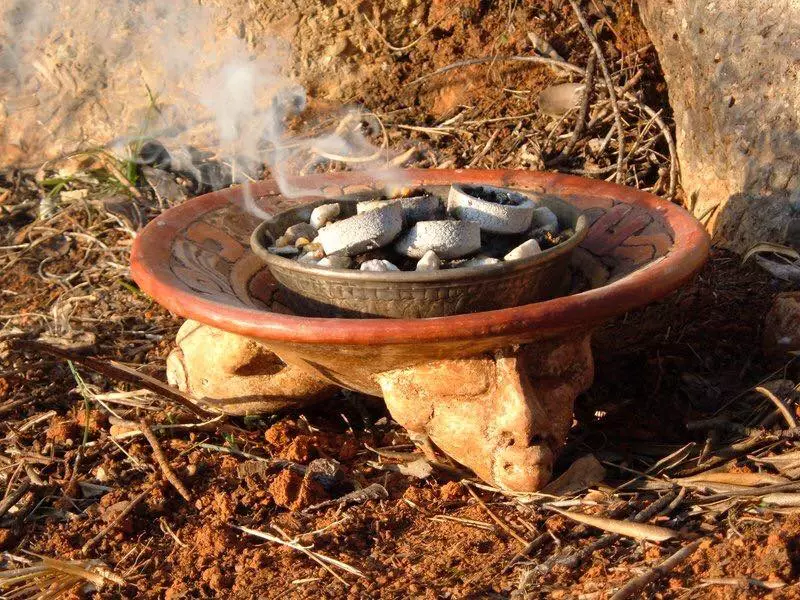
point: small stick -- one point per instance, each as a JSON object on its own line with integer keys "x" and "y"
{"x": 14, "y": 497}
{"x": 637, "y": 584}
{"x": 495, "y": 59}
{"x": 663, "y": 505}
{"x": 580, "y": 123}
{"x": 503, "y": 525}
{"x": 162, "y": 461}
{"x": 612, "y": 95}
{"x": 787, "y": 414}
{"x": 124, "y": 513}
{"x": 121, "y": 373}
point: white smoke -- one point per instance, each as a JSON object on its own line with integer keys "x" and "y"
{"x": 136, "y": 69}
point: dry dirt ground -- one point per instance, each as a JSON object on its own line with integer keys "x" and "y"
{"x": 81, "y": 483}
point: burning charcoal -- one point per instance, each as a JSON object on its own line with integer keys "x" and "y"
{"x": 524, "y": 250}
{"x": 494, "y": 209}
{"x": 335, "y": 262}
{"x": 429, "y": 262}
{"x": 369, "y": 230}
{"x": 449, "y": 239}
{"x": 422, "y": 208}
{"x": 284, "y": 250}
{"x": 324, "y": 214}
{"x": 479, "y": 261}
{"x": 300, "y": 230}
{"x": 378, "y": 265}
{"x": 418, "y": 208}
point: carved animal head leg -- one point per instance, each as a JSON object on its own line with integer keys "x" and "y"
{"x": 239, "y": 376}
{"x": 504, "y": 415}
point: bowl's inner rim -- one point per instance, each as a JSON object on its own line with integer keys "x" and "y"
{"x": 261, "y": 234}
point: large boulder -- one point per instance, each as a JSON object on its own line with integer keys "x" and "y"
{"x": 733, "y": 72}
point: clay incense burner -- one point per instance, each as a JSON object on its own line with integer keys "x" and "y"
{"x": 318, "y": 292}
{"x": 494, "y": 390}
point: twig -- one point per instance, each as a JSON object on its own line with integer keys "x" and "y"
{"x": 583, "y": 113}
{"x": 663, "y": 505}
{"x": 14, "y": 497}
{"x": 637, "y": 584}
{"x": 495, "y": 59}
{"x": 320, "y": 559}
{"x": 162, "y": 461}
{"x": 787, "y": 415}
{"x": 612, "y": 95}
{"x": 407, "y": 46}
{"x": 124, "y": 513}
{"x": 503, "y": 525}
{"x": 121, "y": 373}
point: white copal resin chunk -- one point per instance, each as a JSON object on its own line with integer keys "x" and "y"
{"x": 378, "y": 265}
{"x": 429, "y": 262}
{"x": 524, "y": 250}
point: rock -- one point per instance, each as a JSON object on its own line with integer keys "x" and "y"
{"x": 238, "y": 376}
{"x": 378, "y": 265}
{"x": 359, "y": 233}
{"x": 335, "y": 262}
{"x": 448, "y": 239}
{"x": 782, "y": 326}
{"x": 300, "y": 242}
{"x": 557, "y": 100}
{"x": 322, "y": 215}
{"x": 428, "y": 262}
{"x": 326, "y": 471}
{"x": 284, "y": 250}
{"x": 735, "y": 94}
{"x": 502, "y": 211}
{"x": 299, "y": 231}
{"x": 524, "y": 250}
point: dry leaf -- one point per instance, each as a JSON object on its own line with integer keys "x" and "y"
{"x": 782, "y": 499}
{"x": 736, "y": 479}
{"x": 420, "y": 468}
{"x": 558, "y": 99}
{"x": 583, "y": 473}
{"x": 770, "y": 248}
{"x": 639, "y": 531}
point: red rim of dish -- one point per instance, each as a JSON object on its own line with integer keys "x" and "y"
{"x": 150, "y": 259}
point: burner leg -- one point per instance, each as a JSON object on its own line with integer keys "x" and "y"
{"x": 239, "y": 376}
{"x": 504, "y": 415}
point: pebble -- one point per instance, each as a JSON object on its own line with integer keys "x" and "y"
{"x": 429, "y": 262}
{"x": 378, "y": 265}
{"x": 322, "y": 215}
{"x": 335, "y": 262}
{"x": 299, "y": 231}
{"x": 284, "y": 250}
{"x": 524, "y": 250}
{"x": 302, "y": 242}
